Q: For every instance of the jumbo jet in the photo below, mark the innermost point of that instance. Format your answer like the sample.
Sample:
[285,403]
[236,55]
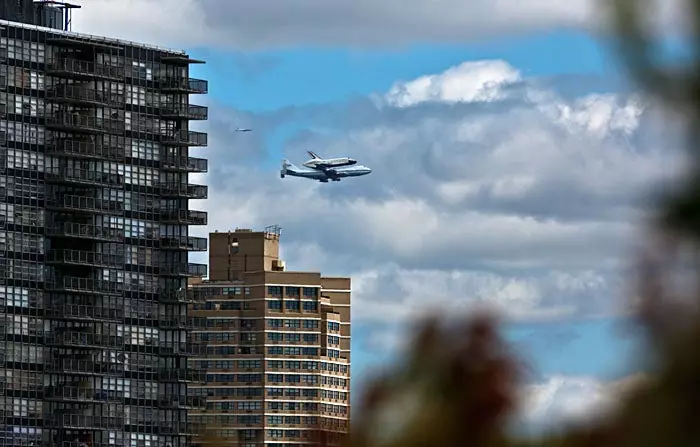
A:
[323,175]
[317,162]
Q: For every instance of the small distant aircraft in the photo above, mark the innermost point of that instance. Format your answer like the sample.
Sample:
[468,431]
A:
[317,162]
[239,129]
[323,175]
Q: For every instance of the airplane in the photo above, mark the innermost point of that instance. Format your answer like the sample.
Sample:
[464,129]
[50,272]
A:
[317,162]
[238,129]
[324,175]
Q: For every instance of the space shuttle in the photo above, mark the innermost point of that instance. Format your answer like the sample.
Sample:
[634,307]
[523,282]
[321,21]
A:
[316,162]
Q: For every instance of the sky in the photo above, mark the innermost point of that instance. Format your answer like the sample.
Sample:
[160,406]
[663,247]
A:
[512,162]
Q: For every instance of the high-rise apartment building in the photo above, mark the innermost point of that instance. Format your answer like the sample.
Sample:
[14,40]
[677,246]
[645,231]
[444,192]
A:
[277,346]
[94,239]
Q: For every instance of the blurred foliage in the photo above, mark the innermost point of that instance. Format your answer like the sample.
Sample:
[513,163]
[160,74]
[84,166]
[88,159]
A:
[458,385]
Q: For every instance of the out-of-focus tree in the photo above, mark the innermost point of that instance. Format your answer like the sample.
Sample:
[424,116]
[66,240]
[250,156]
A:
[457,386]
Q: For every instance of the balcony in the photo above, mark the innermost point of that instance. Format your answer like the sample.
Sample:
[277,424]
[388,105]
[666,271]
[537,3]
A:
[78,421]
[174,297]
[184,85]
[74,122]
[84,231]
[76,69]
[72,366]
[85,149]
[183,269]
[182,375]
[179,137]
[175,322]
[184,190]
[87,258]
[105,443]
[189,243]
[83,340]
[184,349]
[67,393]
[82,96]
[184,164]
[65,311]
[188,112]
[184,217]
[179,429]
[182,402]
[83,177]
[85,204]
[89,285]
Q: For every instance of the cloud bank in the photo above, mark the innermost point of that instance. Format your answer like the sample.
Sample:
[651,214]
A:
[487,188]
[245,25]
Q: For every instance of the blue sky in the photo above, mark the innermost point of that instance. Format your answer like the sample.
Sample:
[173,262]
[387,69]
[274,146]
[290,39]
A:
[509,153]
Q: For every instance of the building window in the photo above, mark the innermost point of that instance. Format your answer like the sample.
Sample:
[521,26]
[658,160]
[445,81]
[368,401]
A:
[291,305]
[274,305]
[310,306]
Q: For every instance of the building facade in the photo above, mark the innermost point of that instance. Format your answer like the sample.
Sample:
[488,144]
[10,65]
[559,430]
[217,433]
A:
[277,346]
[94,239]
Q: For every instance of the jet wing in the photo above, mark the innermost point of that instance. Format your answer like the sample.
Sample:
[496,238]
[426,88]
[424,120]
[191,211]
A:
[331,173]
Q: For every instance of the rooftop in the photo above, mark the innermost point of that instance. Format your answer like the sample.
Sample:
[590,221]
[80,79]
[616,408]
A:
[98,39]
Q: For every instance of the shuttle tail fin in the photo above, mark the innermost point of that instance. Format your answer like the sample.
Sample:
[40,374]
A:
[313,155]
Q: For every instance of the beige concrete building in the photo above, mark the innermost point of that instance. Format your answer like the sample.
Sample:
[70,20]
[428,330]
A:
[278,345]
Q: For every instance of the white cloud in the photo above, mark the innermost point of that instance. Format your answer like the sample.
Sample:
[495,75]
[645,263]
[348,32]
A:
[563,400]
[526,202]
[243,24]
[483,82]
[567,400]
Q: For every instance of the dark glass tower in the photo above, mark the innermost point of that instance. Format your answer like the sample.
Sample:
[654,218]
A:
[94,239]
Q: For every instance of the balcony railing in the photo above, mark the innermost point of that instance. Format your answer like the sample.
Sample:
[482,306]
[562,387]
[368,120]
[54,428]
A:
[185,190]
[182,349]
[78,421]
[67,67]
[74,393]
[190,243]
[190,112]
[182,428]
[184,85]
[184,164]
[76,94]
[84,149]
[83,312]
[83,340]
[79,257]
[84,231]
[184,138]
[83,176]
[183,269]
[80,367]
[180,375]
[174,296]
[184,217]
[182,401]
[83,123]
[75,284]
[86,204]
[175,322]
